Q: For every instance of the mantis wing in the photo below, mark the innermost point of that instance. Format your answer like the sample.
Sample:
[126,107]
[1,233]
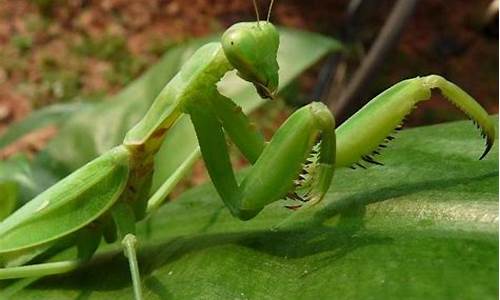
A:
[67,206]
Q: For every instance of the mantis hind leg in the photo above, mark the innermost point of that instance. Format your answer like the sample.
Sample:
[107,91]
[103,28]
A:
[39,270]
[86,240]
[274,172]
[31,274]
[362,134]
[36,271]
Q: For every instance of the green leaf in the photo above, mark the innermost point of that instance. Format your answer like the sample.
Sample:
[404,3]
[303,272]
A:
[22,180]
[8,198]
[423,226]
[51,115]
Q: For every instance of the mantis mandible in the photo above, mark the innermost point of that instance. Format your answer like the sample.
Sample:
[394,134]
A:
[106,197]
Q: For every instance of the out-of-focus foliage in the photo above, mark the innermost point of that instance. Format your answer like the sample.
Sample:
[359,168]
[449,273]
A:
[51,115]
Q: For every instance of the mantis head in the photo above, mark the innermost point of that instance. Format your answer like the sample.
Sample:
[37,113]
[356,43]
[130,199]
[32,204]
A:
[251,48]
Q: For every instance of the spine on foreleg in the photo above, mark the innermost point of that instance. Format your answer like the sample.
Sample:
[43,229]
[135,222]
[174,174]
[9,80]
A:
[365,133]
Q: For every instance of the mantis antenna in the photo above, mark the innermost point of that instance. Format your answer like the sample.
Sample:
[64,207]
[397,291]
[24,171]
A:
[269,10]
[256,11]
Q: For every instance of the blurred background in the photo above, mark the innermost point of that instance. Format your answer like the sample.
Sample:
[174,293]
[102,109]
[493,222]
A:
[54,51]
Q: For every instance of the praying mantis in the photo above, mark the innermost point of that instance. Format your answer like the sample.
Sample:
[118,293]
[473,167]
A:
[105,198]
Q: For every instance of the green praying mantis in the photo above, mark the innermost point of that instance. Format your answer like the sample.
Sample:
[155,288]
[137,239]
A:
[106,197]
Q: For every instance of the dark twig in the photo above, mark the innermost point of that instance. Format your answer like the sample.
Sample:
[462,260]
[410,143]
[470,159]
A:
[332,74]
[349,100]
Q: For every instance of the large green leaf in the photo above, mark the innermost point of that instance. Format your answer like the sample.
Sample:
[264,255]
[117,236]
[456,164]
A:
[424,226]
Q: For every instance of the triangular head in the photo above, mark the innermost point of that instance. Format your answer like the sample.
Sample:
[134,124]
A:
[252,47]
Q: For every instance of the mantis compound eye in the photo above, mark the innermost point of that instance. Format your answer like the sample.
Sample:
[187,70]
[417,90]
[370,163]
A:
[252,47]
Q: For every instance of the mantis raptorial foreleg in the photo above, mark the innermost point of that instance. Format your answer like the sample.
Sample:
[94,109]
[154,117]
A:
[359,138]
[238,127]
[289,148]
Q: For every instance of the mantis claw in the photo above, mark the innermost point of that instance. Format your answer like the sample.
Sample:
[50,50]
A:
[467,105]
[263,91]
